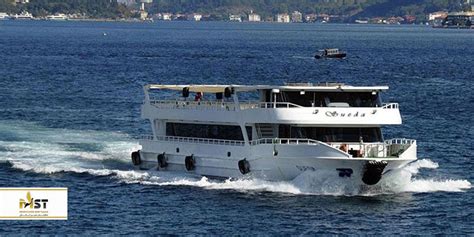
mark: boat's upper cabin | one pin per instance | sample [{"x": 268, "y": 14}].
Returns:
[
  {"x": 330, "y": 51},
  {"x": 289, "y": 95}
]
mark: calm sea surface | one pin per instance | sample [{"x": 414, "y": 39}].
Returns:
[{"x": 70, "y": 94}]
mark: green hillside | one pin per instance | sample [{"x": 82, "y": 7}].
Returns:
[{"x": 220, "y": 9}]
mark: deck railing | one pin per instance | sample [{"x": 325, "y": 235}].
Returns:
[
  {"x": 231, "y": 106},
  {"x": 267, "y": 105},
  {"x": 389, "y": 148},
  {"x": 285, "y": 141},
  {"x": 199, "y": 105},
  {"x": 195, "y": 140},
  {"x": 390, "y": 106}
]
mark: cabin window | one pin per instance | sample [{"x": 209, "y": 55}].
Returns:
[
  {"x": 249, "y": 132},
  {"x": 210, "y": 131},
  {"x": 327, "y": 99},
  {"x": 331, "y": 134}
]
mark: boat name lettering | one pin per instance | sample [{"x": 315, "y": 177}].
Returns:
[{"x": 336, "y": 114}]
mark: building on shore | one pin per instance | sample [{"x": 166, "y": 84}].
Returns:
[
  {"x": 310, "y": 17},
  {"x": 22, "y": 1},
  {"x": 194, "y": 17},
  {"x": 437, "y": 15},
  {"x": 459, "y": 20},
  {"x": 254, "y": 17},
  {"x": 296, "y": 17},
  {"x": 166, "y": 16},
  {"x": 283, "y": 18},
  {"x": 236, "y": 18}
]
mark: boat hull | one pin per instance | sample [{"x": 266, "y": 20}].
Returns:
[
  {"x": 341, "y": 55},
  {"x": 284, "y": 167}
]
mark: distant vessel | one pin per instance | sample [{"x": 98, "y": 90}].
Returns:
[
  {"x": 458, "y": 20},
  {"x": 4, "y": 16},
  {"x": 23, "y": 16},
  {"x": 330, "y": 53},
  {"x": 57, "y": 17},
  {"x": 281, "y": 133},
  {"x": 361, "y": 21}
]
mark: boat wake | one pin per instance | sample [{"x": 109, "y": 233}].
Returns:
[{"x": 33, "y": 148}]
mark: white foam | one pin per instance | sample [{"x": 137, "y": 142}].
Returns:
[{"x": 46, "y": 150}]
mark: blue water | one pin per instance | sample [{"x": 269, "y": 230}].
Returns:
[{"x": 70, "y": 94}]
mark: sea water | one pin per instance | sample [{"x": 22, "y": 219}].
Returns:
[{"x": 69, "y": 117}]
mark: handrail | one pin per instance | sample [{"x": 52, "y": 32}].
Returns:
[
  {"x": 285, "y": 141},
  {"x": 231, "y": 106},
  {"x": 390, "y": 106},
  {"x": 209, "y": 141},
  {"x": 147, "y": 137},
  {"x": 267, "y": 105},
  {"x": 202, "y": 105},
  {"x": 400, "y": 141}
]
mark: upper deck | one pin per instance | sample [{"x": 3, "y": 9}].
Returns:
[{"x": 328, "y": 104}]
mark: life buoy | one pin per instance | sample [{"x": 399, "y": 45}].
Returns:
[
  {"x": 244, "y": 166},
  {"x": 162, "y": 163},
  {"x": 136, "y": 159},
  {"x": 373, "y": 172},
  {"x": 189, "y": 162}
]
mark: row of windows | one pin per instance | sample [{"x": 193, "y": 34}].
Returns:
[
  {"x": 325, "y": 99},
  {"x": 233, "y": 132},
  {"x": 330, "y": 134},
  {"x": 210, "y": 131}
]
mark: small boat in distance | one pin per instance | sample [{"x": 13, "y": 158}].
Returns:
[{"x": 330, "y": 53}]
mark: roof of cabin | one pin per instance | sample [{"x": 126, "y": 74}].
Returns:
[{"x": 328, "y": 87}]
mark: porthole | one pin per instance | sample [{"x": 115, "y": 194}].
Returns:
[
  {"x": 177, "y": 149},
  {"x": 228, "y": 154}
]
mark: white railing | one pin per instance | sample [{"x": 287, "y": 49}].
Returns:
[
  {"x": 390, "y": 106},
  {"x": 195, "y": 140},
  {"x": 267, "y": 105},
  {"x": 231, "y": 106},
  {"x": 400, "y": 141},
  {"x": 147, "y": 137},
  {"x": 285, "y": 141},
  {"x": 392, "y": 148},
  {"x": 199, "y": 105}
]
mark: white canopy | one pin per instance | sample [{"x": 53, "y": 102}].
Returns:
[{"x": 296, "y": 87}]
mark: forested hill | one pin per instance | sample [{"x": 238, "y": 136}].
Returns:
[
  {"x": 91, "y": 8},
  {"x": 222, "y": 8},
  {"x": 367, "y": 8}
]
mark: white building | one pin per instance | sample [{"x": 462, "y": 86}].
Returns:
[
  {"x": 283, "y": 18},
  {"x": 254, "y": 17},
  {"x": 237, "y": 18},
  {"x": 297, "y": 17},
  {"x": 194, "y": 17},
  {"x": 167, "y": 16},
  {"x": 437, "y": 15}
]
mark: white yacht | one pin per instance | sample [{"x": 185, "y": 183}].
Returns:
[
  {"x": 23, "y": 16},
  {"x": 271, "y": 132},
  {"x": 57, "y": 17},
  {"x": 4, "y": 16}
]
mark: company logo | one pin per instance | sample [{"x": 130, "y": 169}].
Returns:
[{"x": 33, "y": 203}]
